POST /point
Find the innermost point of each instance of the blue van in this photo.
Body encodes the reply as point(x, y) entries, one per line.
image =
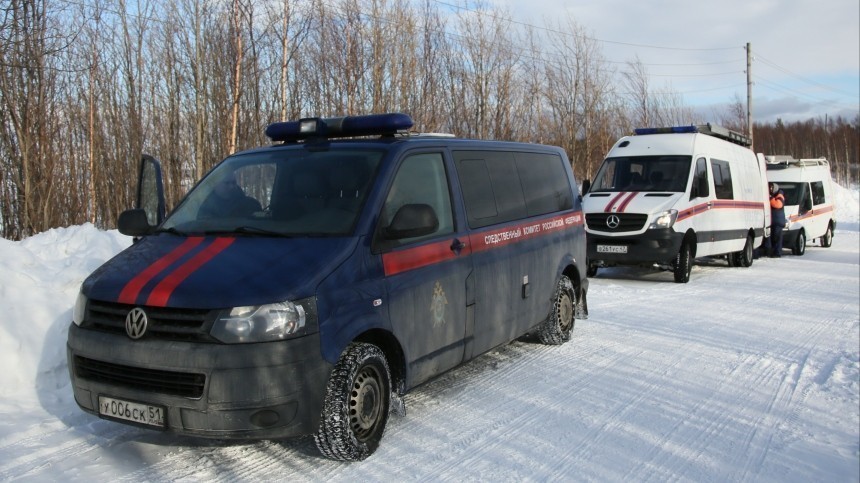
point(303, 288)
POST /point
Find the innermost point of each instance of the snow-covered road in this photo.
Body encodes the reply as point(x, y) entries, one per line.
point(744, 374)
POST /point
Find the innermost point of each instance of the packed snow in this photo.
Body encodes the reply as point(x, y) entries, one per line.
point(744, 374)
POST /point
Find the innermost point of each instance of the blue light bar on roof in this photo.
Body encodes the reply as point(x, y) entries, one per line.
point(666, 130)
point(338, 127)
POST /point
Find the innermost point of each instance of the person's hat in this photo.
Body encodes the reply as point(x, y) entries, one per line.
point(774, 188)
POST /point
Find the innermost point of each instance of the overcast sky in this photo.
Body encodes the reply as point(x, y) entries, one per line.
point(806, 53)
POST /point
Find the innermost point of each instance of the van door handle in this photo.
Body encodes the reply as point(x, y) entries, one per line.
point(457, 246)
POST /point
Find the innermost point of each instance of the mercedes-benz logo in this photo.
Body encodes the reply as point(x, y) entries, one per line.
point(612, 221)
point(135, 323)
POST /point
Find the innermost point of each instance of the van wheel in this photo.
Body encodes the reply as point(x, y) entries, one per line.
point(591, 271)
point(827, 237)
point(356, 405)
point(683, 264)
point(558, 326)
point(799, 248)
point(745, 257)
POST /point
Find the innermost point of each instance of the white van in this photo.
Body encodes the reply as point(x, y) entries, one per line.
point(666, 196)
point(808, 190)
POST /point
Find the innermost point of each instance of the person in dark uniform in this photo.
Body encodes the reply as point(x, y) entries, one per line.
point(777, 219)
point(228, 200)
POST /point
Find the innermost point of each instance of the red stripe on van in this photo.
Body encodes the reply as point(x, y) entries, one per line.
point(613, 201)
point(627, 201)
point(719, 204)
point(811, 213)
point(162, 292)
point(134, 286)
point(424, 255)
point(488, 239)
point(421, 256)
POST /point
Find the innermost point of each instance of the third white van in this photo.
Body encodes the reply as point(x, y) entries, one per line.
point(808, 189)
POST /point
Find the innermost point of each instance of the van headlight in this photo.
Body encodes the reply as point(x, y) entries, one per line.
point(664, 220)
point(264, 323)
point(80, 309)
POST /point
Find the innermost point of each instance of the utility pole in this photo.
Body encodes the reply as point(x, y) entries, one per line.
point(749, 94)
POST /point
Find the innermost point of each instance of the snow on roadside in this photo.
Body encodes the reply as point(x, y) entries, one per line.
point(41, 278)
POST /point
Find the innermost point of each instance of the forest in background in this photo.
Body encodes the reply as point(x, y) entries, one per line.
point(86, 86)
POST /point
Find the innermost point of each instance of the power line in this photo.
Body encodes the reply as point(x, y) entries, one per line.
point(799, 77)
point(546, 29)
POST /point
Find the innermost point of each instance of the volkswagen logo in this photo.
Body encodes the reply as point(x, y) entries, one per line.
point(612, 221)
point(135, 323)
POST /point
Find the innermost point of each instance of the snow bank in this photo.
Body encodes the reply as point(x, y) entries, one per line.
point(41, 278)
point(847, 204)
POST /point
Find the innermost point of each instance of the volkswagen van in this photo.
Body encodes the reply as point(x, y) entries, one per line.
point(304, 287)
point(666, 196)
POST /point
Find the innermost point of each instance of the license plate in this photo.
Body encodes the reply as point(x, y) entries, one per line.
point(131, 411)
point(611, 248)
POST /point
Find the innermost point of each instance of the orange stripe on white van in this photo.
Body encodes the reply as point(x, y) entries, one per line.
point(812, 213)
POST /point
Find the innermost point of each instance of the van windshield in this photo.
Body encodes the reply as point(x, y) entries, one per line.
point(643, 173)
point(291, 192)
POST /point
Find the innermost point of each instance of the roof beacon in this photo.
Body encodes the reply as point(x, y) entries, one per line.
point(709, 129)
point(339, 127)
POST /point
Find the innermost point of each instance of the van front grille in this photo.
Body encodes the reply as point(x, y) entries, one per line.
point(181, 384)
point(163, 323)
point(626, 222)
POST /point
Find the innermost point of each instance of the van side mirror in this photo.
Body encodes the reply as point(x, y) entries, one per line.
point(134, 223)
point(412, 220)
point(586, 185)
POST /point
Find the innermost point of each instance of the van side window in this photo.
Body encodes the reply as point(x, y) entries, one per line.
point(700, 187)
point(722, 180)
point(491, 187)
point(545, 184)
point(501, 186)
point(420, 180)
point(818, 193)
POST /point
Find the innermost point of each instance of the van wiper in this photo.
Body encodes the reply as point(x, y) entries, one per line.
point(172, 231)
point(248, 230)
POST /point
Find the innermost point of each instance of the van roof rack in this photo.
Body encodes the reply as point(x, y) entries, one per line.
point(787, 160)
point(710, 129)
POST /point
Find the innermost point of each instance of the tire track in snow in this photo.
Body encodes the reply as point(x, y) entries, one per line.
point(26, 456)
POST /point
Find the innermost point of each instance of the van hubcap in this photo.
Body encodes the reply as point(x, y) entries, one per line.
point(364, 402)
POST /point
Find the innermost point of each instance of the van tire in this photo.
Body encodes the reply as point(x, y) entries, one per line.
point(591, 271)
point(745, 257)
point(357, 402)
point(683, 264)
point(827, 237)
point(558, 326)
point(799, 248)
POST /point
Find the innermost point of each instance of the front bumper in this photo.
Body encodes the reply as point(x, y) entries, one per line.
point(249, 391)
point(653, 246)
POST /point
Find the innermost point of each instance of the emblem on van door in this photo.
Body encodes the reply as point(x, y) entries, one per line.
point(437, 305)
point(612, 221)
point(135, 323)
